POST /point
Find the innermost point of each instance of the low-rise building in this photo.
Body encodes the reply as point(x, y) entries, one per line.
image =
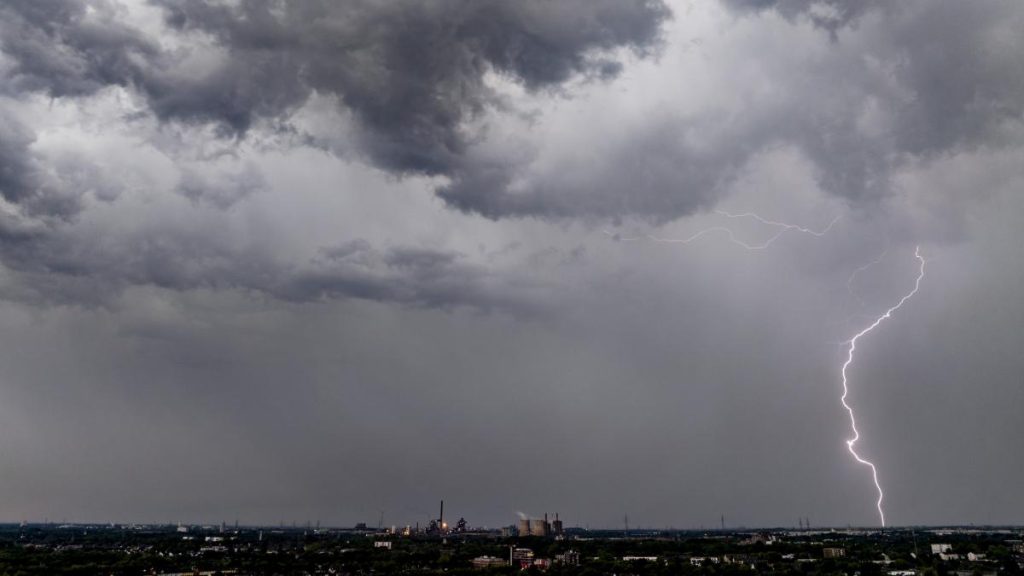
point(569, 558)
point(522, 554)
point(833, 552)
point(488, 562)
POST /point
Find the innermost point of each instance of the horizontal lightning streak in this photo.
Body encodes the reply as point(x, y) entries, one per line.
point(782, 225)
point(846, 390)
point(783, 228)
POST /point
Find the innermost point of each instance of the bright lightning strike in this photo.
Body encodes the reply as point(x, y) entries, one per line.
point(846, 390)
point(782, 226)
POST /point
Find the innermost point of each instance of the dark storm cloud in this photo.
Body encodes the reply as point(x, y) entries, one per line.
point(897, 84)
point(956, 61)
point(69, 48)
point(945, 74)
point(51, 191)
point(413, 76)
point(19, 172)
point(412, 73)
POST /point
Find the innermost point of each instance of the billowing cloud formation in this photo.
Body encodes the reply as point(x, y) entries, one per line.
point(423, 90)
point(19, 176)
point(413, 76)
point(884, 94)
point(410, 74)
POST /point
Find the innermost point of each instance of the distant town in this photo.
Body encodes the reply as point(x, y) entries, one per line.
point(529, 545)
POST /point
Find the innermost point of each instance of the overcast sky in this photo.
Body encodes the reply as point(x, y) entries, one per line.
point(317, 260)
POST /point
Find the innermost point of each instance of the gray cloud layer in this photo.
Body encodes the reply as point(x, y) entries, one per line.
point(885, 95)
point(412, 73)
point(258, 257)
point(413, 76)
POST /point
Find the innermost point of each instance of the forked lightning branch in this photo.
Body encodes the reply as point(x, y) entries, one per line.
point(782, 228)
point(851, 442)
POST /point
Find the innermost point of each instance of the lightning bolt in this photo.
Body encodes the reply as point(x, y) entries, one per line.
point(846, 389)
point(782, 229)
point(853, 275)
point(782, 225)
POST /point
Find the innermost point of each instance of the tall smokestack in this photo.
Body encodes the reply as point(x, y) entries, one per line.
point(440, 520)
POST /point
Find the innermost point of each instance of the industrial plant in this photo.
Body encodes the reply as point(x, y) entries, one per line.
point(539, 526)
